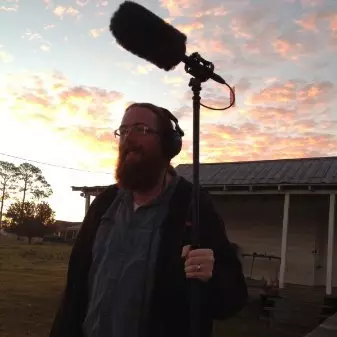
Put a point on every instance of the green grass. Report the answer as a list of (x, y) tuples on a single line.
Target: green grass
[(32, 278)]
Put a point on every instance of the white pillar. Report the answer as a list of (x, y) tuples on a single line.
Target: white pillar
[(87, 202), (284, 239), (331, 241)]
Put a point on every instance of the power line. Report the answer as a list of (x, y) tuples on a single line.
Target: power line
[(58, 166)]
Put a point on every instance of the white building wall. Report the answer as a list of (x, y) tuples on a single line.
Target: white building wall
[(255, 224)]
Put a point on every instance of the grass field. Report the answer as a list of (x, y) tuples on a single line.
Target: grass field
[(32, 278), (31, 281)]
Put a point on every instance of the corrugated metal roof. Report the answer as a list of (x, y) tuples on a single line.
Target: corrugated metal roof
[(302, 171)]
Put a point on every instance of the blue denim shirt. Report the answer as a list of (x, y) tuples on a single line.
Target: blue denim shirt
[(124, 257)]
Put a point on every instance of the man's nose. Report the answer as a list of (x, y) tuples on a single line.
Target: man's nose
[(129, 137)]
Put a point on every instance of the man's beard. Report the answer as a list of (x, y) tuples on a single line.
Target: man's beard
[(140, 172)]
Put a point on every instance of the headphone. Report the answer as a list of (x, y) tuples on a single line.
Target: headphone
[(172, 139)]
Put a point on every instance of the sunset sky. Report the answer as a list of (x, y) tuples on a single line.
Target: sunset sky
[(64, 83)]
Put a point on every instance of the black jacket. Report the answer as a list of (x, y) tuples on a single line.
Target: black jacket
[(220, 298)]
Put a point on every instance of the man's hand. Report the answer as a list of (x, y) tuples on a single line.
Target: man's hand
[(198, 263)]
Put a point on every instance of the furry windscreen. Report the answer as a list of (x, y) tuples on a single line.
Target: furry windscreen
[(146, 35)]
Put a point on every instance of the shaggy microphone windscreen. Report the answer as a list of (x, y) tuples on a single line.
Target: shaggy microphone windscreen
[(146, 35)]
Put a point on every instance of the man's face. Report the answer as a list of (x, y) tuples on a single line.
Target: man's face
[(140, 159)]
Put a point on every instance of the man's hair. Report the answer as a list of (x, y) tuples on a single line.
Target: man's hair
[(165, 125)]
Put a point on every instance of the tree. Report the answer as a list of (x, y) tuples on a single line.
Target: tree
[(45, 214), (31, 228), (8, 182), (33, 183), (31, 220)]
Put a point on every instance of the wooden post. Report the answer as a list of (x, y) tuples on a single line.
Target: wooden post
[(87, 202), (284, 239), (331, 242)]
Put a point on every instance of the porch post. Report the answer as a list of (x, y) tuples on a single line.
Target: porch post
[(87, 202), (331, 242), (284, 239)]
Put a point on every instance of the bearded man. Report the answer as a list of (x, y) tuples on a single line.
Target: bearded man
[(131, 266)]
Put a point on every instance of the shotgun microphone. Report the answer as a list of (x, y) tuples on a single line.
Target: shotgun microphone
[(146, 35)]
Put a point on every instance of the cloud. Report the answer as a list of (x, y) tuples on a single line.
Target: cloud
[(137, 69), (311, 3), (320, 20), (49, 26), (82, 116), (283, 120), (45, 47), (210, 46), (212, 12), (193, 8), (178, 7), (190, 27), (5, 56), (102, 3), (294, 92), (61, 12), (96, 32), (248, 141), (82, 3), (288, 50), (174, 80), (37, 39), (10, 6)]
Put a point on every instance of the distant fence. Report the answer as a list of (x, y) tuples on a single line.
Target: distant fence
[(327, 329)]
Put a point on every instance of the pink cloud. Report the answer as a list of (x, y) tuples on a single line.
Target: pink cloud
[(292, 91), (209, 46), (311, 22), (308, 23)]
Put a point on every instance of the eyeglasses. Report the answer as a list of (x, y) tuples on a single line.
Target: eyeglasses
[(137, 129)]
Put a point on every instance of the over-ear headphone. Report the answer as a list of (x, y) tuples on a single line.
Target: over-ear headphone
[(172, 140)]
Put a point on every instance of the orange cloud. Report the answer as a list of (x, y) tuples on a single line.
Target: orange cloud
[(291, 91), (308, 23), (76, 119), (61, 11), (333, 23), (312, 21), (96, 32), (216, 11), (177, 7), (287, 50), (209, 47), (190, 27), (249, 142), (297, 123)]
